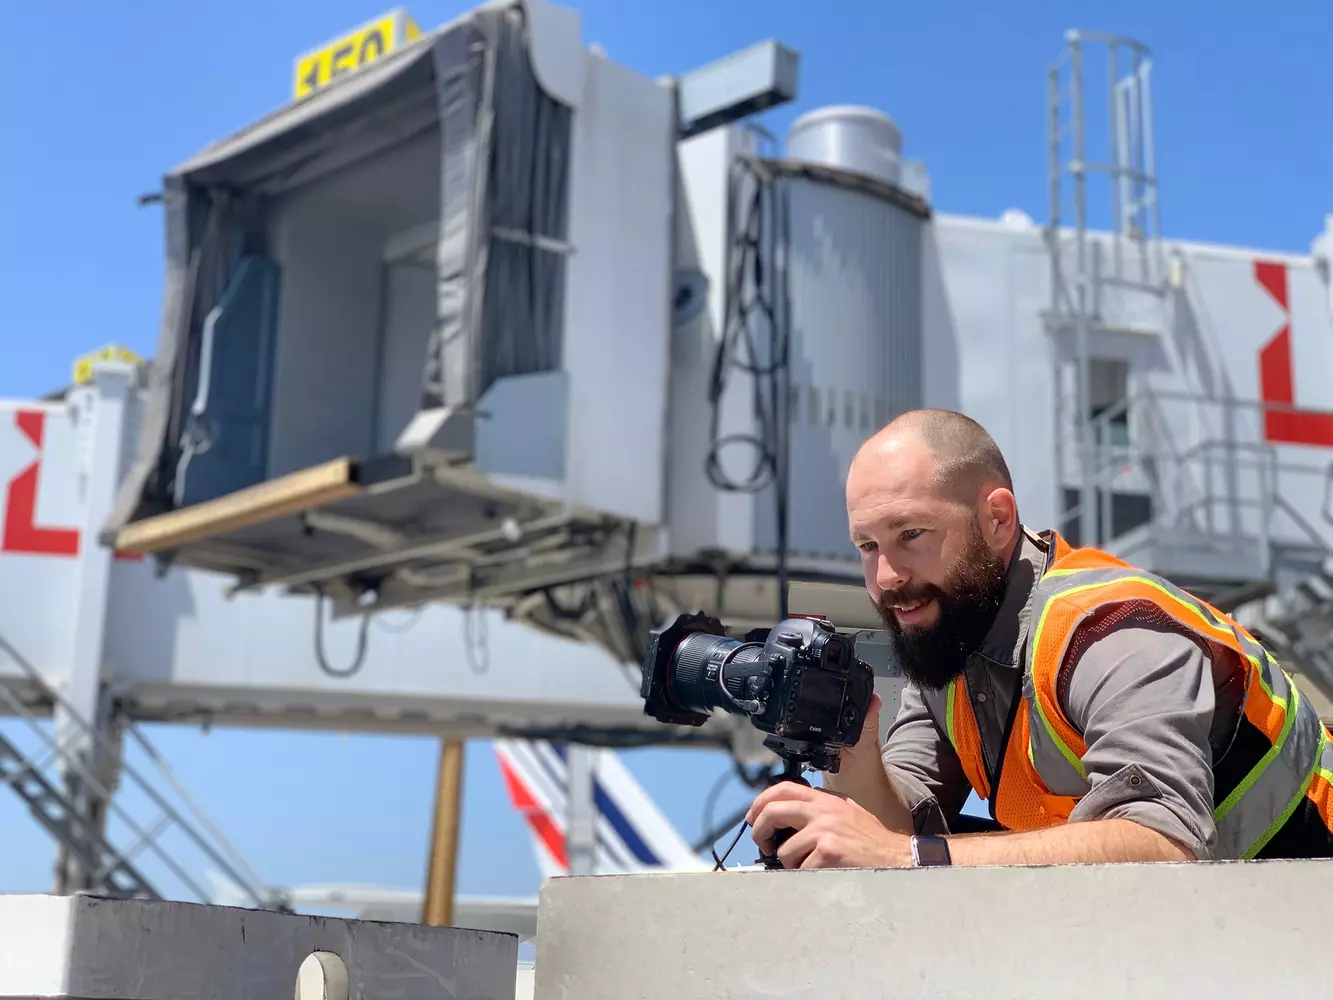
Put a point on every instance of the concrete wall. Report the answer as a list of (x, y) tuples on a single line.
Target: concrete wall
[(85, 946), (1221, 931)]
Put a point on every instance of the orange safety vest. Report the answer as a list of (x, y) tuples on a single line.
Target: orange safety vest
[(1273, 785)]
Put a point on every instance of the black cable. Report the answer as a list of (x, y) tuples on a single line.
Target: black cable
[(721, 863), (762, 779), (757, 295), (362, 636), (624, 597), (710, 801), (783, 210), (747, 292)]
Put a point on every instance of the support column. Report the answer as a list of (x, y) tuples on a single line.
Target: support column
[(83, 724), (441, 878), (581, 826)]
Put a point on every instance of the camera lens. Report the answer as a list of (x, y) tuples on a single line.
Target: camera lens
[(695, 687)]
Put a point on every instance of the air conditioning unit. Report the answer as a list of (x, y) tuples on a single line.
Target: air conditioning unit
[(495, 320)]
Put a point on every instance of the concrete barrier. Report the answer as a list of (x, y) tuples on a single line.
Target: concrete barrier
[(1177, 931), (104, 949)]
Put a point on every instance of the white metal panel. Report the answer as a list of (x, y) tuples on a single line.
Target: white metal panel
[(555, 34), (179, 646), (986, 352), (617, 297), (703, 517), (40, 535), (618, 300)]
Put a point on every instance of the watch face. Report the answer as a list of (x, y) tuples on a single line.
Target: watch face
[(931, 851)]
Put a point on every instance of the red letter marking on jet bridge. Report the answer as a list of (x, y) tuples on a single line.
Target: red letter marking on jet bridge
[(1277, 380), (21, 531)]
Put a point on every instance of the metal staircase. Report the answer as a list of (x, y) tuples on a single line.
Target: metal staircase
[(44, 771), (114, 874)]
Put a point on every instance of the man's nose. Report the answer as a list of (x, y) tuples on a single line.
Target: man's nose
[(887, 576)]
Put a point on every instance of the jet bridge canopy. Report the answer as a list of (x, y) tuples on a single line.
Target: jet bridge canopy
[(363, 376)]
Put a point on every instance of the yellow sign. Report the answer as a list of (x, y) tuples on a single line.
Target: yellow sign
[(358, 48), (83, 367)]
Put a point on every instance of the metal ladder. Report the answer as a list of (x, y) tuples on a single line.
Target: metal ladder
[(115, 868)]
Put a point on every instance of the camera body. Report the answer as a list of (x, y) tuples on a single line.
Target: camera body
[(800, 683)]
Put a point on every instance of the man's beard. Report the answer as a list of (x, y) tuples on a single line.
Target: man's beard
[(967, 604)]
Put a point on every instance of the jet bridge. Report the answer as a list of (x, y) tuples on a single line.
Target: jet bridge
[(492, 321)]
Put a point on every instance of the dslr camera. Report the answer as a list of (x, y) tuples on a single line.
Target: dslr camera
[(799, 682)]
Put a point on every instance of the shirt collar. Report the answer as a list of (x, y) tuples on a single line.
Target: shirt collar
[(1007, 635)]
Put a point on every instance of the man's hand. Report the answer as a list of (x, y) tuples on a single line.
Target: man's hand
[(866, 750), (862, 776), (831, 831)]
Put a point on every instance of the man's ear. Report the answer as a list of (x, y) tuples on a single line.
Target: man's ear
[(999, 519)]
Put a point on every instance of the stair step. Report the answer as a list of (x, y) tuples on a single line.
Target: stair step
[(53, 810)]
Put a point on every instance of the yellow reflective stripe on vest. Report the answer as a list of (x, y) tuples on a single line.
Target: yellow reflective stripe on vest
[(948, 713), (1104, 578), (1276, 825), (1324, 765), (1288, 703), (1274, 793)]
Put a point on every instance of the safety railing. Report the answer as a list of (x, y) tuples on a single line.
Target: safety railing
[(131, 854), (1207, 470)]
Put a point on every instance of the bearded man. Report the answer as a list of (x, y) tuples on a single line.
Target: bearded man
[(1104, 714)]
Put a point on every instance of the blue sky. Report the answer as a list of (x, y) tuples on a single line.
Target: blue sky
[(1244, 157)]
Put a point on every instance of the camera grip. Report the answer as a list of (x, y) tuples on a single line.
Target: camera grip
[(779, 838)]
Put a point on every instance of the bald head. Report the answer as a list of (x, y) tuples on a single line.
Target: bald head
[(952, 450)]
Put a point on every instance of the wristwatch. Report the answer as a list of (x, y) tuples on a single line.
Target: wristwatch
[(930, 852)]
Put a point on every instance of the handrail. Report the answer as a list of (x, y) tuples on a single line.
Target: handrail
[(149, 842), (245, 878), (1181, 479), (223, 841)]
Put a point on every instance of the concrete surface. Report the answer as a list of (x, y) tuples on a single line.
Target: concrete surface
[(1224, 930), (92, 948)]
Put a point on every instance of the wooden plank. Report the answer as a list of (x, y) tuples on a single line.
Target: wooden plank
[(286, 495)]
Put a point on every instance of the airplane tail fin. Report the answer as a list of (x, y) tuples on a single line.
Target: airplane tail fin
[(632, 834)]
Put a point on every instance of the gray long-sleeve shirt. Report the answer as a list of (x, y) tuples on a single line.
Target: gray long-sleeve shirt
[(1142, 695)]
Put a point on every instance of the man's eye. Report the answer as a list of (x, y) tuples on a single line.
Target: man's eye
[(911, 534), (866, 546)]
